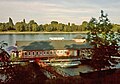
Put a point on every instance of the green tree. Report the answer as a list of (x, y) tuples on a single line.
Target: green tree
[(103, 39), (84, 25), (10, 24), (118, 30), (40, 28), (54, 26), (32, 26), (4, 56), (54, 22), (61, 27), (3, 27), (65, 28), (73, 27), (24, 21), (21, 26), (116, 27)]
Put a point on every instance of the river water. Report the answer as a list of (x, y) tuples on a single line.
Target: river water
[(12, 38)]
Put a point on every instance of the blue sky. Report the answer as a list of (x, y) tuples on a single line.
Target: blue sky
[(63, 11)]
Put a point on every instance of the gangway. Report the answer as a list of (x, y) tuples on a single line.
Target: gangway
[(52, 70)]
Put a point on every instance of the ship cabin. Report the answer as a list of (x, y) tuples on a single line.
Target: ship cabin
[(55, 48)]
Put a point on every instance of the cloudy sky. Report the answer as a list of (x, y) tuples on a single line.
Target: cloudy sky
[(64, 11)]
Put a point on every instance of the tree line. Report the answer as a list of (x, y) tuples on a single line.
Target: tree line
[(53, 26)]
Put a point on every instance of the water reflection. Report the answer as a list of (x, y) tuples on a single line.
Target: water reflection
[(11, 39)]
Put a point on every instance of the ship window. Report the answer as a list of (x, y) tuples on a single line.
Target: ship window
[(25, 53), (57, 51), (44, 53), (29, 53), (40, 52), (47, 52), (33, 53), (51, 52), (37, 53)]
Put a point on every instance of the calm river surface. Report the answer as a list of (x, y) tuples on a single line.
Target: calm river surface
[(12, 38)]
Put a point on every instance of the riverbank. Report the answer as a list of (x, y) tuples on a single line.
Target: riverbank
[(83, 32), (108, 79), (30, 73)]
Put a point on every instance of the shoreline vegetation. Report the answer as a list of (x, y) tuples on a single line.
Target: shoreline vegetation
[(83, 32), (52, 27)]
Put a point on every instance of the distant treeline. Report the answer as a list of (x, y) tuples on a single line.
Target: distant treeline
[(53, 26)]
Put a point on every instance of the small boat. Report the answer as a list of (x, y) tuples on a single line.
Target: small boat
[(66, 64), (97, 73), (56, 38)]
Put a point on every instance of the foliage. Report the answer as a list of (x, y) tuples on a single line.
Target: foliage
[(103, 39), (3, 44), (33, 26), (4, 56), (53, 26), (10, 23), (27, 73), (116, 28)]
